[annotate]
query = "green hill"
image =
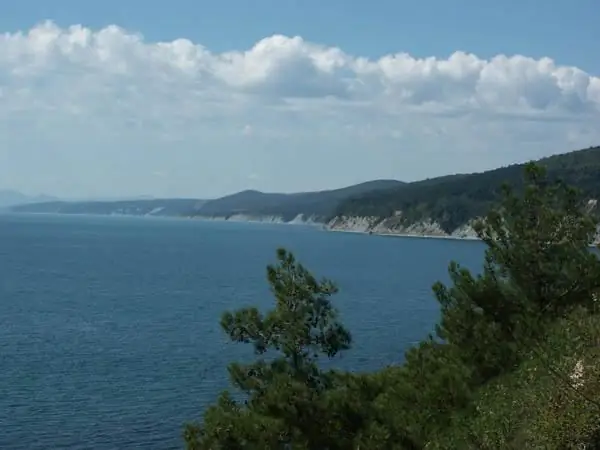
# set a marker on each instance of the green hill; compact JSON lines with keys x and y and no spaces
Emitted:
{"x":316,"y":205}
{"x":452,"y":201}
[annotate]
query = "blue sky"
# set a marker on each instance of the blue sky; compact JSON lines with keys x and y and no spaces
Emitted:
{"x":203,"y":98}
{"x":567,"y":30}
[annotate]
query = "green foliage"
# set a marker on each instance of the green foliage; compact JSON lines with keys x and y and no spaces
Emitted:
{"x":538,"y":273}
{"x":537,"y":268}
{"x":289,"y":396}
{"x":540,"y":405}
{"x":512,"y":363}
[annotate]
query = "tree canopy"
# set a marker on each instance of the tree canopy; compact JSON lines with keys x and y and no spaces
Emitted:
{"x":511,"y":364}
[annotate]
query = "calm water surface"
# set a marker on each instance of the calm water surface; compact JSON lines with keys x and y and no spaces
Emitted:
{"x":109,"y":335}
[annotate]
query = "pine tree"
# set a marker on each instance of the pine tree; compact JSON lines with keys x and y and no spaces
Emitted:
{"x":285,"y":395}
{"x":538,"y":267}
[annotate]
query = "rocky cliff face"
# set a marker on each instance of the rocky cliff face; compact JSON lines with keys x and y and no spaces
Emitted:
{"x":298,"y":220}
{"x":395,"y":225}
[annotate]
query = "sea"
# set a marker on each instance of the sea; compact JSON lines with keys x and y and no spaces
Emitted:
{"x":109,"y":326}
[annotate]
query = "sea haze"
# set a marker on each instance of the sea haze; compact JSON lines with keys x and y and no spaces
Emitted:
{"x":109,"y":331}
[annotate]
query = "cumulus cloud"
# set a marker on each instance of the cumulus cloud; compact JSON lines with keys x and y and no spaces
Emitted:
{"x":108,"y":101}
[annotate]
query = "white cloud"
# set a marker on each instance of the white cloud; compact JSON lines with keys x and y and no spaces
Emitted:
{"x":86,"y":110}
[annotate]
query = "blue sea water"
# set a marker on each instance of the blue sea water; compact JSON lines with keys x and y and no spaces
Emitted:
{"x":109,"y":334}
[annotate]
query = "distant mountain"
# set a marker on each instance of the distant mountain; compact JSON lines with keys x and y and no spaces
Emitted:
{"x":315,"y":206}
{"x":109,"y":199}
{"x":245,"y":205}
{"x":10,"y":198}
{"x":154,"y":207}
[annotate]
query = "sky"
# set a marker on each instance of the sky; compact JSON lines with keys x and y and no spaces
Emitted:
{"x":200,"y":99}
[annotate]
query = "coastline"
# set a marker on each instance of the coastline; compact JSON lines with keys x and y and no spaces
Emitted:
{"x":326,"y":226}
{"x":594,"y":244}
{"x":403,"y":235}
{"x":395,"y":226}
{"x":298,"y":221}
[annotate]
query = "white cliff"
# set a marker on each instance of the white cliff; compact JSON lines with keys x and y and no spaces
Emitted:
{"x":396,"y":226}
{"x":300,"y":219}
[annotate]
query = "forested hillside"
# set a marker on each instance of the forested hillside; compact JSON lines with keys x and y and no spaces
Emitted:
{"x":452,"y":201}
{"x":316,"y":205}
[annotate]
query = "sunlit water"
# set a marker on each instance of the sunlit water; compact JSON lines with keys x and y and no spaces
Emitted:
{"x":109,"y":335}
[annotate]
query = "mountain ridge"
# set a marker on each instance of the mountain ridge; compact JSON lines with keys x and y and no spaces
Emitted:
{"x":442,"y":206}
{"x":10,"y":197}
{"x":317,"y":205}
{"x":244,"y":205}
